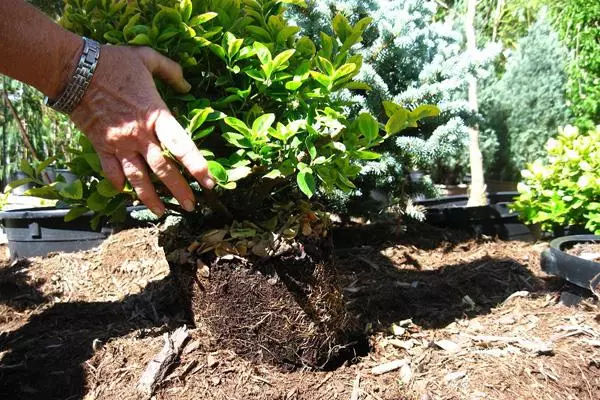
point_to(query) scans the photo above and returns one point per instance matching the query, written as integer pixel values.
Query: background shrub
(565, 189)
(526, 105)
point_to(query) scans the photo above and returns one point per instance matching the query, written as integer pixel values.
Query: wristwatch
(79, 82)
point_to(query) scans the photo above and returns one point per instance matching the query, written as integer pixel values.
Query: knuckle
(132, 172)
(161, 167)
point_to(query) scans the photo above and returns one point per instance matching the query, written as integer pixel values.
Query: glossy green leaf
(106, 188)
(398, 122)
(217, 171)
(198, 20)
(282, 58)
(75, 213)
(390, 108)
(424, 111)
(262, 124)
(344, 70)
(72, 191)
(185, 9)
(239, 126)
(141, 40)
(237, 140)
(342, 27)
(325, 65)
(306, 182)
(96, 202)
(199, 118)
(368, 126)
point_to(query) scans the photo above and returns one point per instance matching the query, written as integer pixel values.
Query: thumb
(165, 68)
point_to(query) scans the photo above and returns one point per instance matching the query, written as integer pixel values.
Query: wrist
(68, 58)
(79, 80)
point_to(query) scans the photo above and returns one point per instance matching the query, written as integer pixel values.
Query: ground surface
(471, 319)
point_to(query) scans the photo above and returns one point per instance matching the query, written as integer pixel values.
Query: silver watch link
(79, 82)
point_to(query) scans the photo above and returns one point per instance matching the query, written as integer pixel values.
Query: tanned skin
(121, 113)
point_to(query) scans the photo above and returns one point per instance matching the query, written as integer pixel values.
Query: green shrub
(579, 26)
(566, 190)
(261, 108)
(525, 107)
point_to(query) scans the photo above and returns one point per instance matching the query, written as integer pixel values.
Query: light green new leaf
(325, 65)
(141, 40)
(44, 192)
(239, 126)
(424, 111)
(199, 118)
(344, 70)
(185, 9)
(355, 85)
(390, 108)
(398, 122)
(367, 155)
(342, 27)
(202, 18)
(282, 58)
(262, 124)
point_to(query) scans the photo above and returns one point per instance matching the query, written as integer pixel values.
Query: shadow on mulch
(44, 358)
(15, 291)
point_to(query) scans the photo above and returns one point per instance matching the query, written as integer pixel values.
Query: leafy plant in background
(409, 59)
(525, 107)
(565, 189)
(22, 120)
(579, 26)
(261, 108)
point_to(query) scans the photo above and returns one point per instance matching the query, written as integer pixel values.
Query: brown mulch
(590, 251)
(472, 319)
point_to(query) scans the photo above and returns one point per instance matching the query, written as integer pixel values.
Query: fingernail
(188, 87)
(208, 183)
(157, 211)
(188, 205)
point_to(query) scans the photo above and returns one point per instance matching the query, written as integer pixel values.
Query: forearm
(34, 49)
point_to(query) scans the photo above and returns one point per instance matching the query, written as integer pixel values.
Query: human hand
(127, 122)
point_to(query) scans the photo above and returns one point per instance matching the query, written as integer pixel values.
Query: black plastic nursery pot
(39, 231)
(574, 269)
(495, 219)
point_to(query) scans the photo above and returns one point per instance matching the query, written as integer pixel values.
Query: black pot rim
(562, 242)
(577, 270)
(47, 212)
(36, 213)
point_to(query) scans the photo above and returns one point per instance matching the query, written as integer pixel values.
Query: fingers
(112, 170)
(177, 141)
(137, 174)
(166, 69)
(170, 176)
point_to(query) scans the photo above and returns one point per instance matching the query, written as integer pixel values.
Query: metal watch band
(79, 82)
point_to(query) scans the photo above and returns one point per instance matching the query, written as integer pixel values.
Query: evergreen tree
(525, 107)
(411, 59)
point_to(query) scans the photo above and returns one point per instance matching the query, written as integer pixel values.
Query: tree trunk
(20, 125)
(477, 193)
(497, 19)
